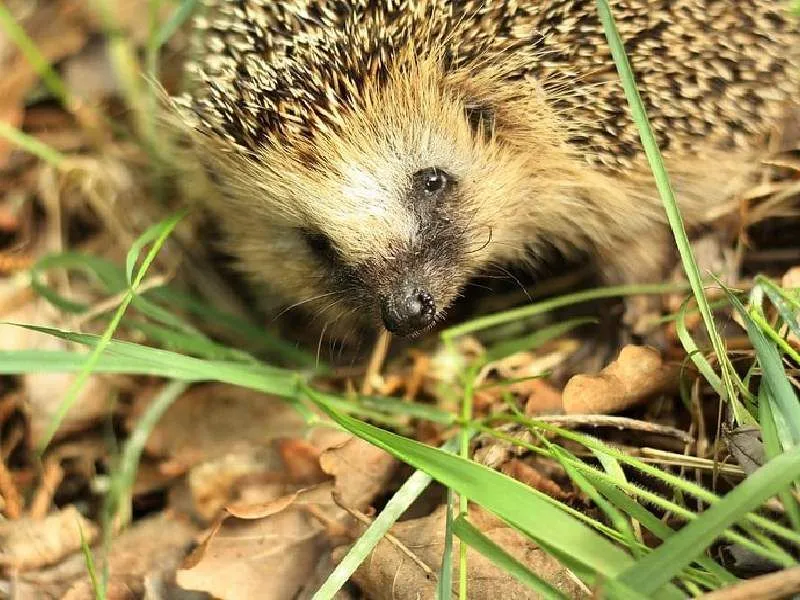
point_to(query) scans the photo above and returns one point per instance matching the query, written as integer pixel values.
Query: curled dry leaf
(216, 482)
(638, 374)
(406, 571)
(270, 546)
(29, 544)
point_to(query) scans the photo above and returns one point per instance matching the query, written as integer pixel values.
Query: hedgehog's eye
(319, 244)
(432, 181)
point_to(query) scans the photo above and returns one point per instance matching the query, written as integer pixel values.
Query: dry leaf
(268, 549)
(393, 573)
(638, 374)
(216, 419)
(151, 546)
(361, 471)
(28, 543)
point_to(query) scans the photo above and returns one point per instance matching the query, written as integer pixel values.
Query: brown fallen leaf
(360, 469)
(151, 546)
(274, 541)
(397, 573)
(301, 460)
(31, 543)
(638, 374)
(212, 420)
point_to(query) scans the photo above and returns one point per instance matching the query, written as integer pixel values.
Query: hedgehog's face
(385, 218)
(399, 209)
(392, 243)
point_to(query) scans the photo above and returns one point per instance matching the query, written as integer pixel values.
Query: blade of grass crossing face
(471, 536)
(662, 183)
(577, 546)
(663, 564)
(162, 232)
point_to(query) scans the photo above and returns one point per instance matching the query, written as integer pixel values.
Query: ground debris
(266, 543)
(30, 543)
(405, 568)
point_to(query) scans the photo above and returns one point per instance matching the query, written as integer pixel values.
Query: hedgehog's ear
(481, 118)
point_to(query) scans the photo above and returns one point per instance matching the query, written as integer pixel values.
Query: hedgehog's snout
(408, 310)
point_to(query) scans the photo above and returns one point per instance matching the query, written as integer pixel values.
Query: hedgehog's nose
(408, 311)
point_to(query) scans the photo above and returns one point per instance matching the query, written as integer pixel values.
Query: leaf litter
(237, 495)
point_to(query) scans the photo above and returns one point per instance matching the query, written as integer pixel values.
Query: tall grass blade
(444, 587)
(656, 162)
(31, 145)
(786, 406)
(655, 570)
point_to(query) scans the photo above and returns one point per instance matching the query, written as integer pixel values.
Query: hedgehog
(369, 158)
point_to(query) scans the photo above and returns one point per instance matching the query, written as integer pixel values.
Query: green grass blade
(36, 59)
(540, 308)
(393, 510)
(788, 307)
(772, 448)
(787, 408)
(174, 22)
(71, 396)
(118, 498)
(655, 570)
(656, 162)
(444, 587)
(576, 545)
(155, 233)
(471, 536)
(657, 527)
(30, 144)
(97, 589)
(534, 340)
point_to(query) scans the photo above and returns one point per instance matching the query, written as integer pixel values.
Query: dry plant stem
(361, 517)
(376, 362)
(781, 584)
(10, 493)
(571, 421)
(11, 440)
(52, 476)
